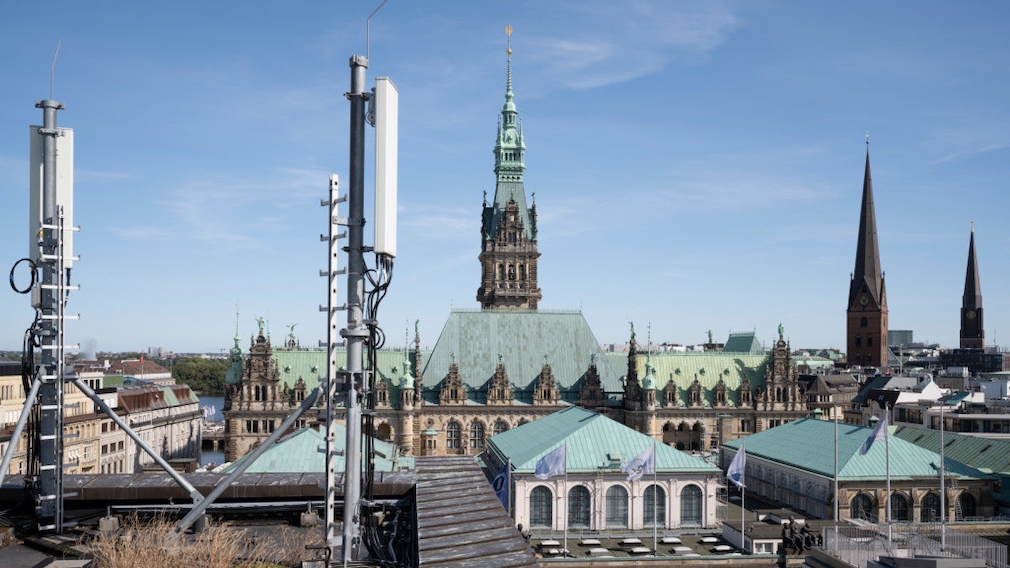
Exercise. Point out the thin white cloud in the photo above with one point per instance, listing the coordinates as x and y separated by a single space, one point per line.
637 39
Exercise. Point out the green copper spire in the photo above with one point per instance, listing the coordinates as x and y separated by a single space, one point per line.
509 149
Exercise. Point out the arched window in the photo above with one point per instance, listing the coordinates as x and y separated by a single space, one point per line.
690 506
500 426
859 341
930 510
617 507
522 272
862 322
501 272
965 506
869 341
579 507
541 510
476 434
452 435
899 508
654 506
862 508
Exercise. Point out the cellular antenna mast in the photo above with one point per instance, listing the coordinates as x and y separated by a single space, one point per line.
52 69
368 33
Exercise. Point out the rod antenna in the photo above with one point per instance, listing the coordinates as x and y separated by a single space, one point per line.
52 68
368 20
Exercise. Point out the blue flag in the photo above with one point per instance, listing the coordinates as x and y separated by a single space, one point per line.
552 464
641 464
737 467
879 433
500 484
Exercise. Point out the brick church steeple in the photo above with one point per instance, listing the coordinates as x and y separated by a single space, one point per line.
972 331
866 316
508 256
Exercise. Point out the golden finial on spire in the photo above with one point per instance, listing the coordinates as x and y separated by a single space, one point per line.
508 32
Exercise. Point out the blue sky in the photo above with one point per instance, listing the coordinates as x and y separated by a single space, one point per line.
697 165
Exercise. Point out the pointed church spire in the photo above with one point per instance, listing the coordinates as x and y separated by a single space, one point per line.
866 315
972 289
867 270
972 329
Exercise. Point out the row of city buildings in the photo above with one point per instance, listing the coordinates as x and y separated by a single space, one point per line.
164 415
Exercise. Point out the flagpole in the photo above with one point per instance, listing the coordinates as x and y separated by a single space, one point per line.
655 500
887 459
565 511
743 511
508 484
943 487
835 408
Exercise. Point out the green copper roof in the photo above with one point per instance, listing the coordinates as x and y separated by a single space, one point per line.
808 444
310 365
475 339
594 443
745 342
981 453
708 368
300 452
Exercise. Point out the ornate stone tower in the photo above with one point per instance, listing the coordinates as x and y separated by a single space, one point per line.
508 256
866 321
255 405
972 332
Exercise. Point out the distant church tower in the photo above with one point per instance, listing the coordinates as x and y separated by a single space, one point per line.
866 321
972 331
508 255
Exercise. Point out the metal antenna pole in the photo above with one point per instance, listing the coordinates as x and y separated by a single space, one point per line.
49 499
355 333
332 535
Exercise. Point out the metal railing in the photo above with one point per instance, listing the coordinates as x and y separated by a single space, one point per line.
857 545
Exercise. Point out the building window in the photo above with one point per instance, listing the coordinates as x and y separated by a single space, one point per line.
862 508
541 507
964 506
500 426
476 434
617 507
930 508
862 322
690 506
654 506
869 341
579 507
452 435
859 341
899 508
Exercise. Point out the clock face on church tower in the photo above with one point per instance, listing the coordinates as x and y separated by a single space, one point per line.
864 299
970 314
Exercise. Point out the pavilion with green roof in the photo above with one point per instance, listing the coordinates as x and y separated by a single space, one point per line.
595 494
794 465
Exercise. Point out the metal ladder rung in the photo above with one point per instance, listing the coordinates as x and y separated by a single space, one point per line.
49 407
47 497
48 467
47 527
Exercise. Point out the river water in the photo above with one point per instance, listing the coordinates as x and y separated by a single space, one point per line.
207 456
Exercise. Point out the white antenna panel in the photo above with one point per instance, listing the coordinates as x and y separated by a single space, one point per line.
64 191
386 142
